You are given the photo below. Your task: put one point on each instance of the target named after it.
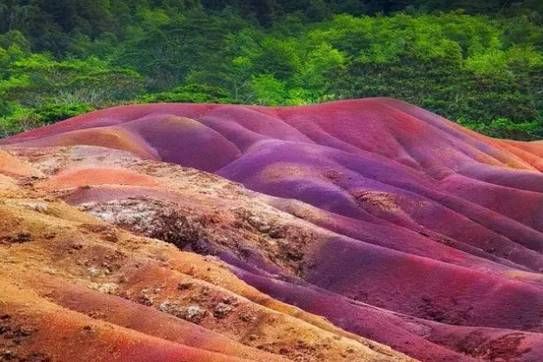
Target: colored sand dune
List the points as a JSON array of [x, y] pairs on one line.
[[394, 224]]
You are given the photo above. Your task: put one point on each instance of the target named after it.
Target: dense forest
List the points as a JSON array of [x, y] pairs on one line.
[[476, 62]]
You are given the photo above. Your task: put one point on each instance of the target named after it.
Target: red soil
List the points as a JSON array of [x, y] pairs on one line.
[[97, 176], [392, 222]]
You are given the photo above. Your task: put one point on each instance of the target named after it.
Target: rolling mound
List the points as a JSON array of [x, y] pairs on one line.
[[75, 288], [391, 222]]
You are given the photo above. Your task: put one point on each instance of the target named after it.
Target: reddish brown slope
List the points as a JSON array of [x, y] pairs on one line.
[[392, 222], [74, 288]]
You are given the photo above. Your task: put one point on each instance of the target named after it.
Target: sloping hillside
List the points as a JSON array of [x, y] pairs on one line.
[[75, 288], [393, 223]]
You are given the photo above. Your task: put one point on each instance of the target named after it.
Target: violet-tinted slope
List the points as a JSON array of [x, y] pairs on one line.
[[424, 235]]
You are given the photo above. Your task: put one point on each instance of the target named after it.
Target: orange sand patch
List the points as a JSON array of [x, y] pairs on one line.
[[34, 318], [531, 153], [535, 147], [110, 137], [14, 166], [98, 176]]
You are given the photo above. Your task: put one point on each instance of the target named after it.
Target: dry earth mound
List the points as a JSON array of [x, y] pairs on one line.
[[75, 288], [393, 223]]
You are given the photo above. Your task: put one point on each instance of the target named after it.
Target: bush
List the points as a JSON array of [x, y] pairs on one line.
[[505, 128], [466, 64], [191, 93], [20, 119], [54, 112]]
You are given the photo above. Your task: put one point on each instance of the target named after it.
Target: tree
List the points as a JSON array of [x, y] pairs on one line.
[[268, 90]]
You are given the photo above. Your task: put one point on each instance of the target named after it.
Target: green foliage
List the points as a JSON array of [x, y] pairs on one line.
[[268, 90], [16, 118], [480, 63], [504, 128], [21, 119], [191, 93], [53, 112]]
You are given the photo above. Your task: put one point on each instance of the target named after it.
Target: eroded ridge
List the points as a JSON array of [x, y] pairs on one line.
[[396, 225]]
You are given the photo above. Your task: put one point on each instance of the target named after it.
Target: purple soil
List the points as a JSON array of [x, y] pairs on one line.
[[436, 232]]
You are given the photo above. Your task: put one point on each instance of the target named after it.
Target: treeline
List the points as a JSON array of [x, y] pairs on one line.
[[479, 64]]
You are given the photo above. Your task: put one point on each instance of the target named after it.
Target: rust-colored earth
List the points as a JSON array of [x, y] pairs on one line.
[[365, 230]]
